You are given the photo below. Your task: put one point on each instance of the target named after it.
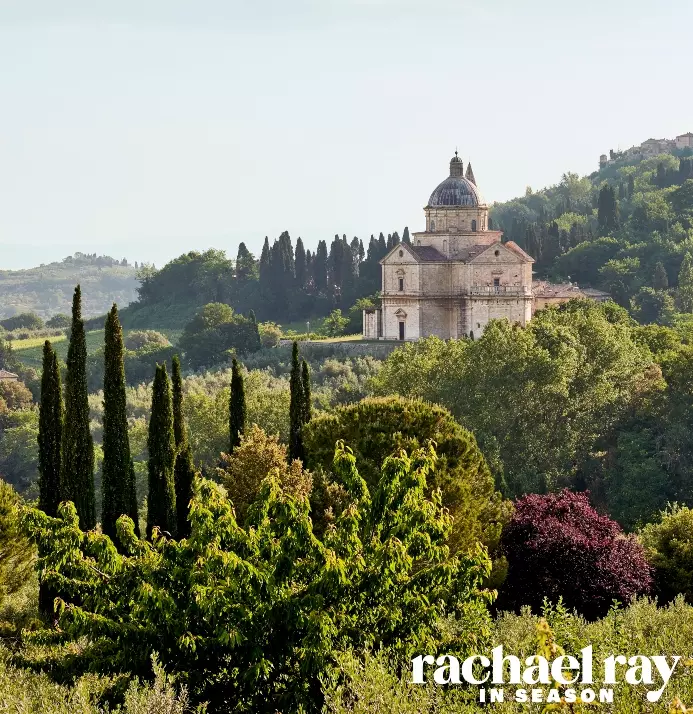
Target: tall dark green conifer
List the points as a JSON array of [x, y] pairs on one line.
[[50, 432], [307, 405], [184, 469], [49, 440], [301, 265], [77, 461], [161, 500], [184, 478], [320, 267], [406, 238], [237, 408], [296, 407], [177, 396], [246, 265], [118, 483]]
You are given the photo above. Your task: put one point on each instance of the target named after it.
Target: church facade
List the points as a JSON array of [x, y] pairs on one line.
[[456, 275]]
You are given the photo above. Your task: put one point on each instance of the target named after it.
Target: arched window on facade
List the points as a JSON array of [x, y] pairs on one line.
[[401, 284], [433, 225], [445, 247], [473, 225]]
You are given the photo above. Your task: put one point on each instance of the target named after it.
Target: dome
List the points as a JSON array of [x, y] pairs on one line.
[[456, 191]]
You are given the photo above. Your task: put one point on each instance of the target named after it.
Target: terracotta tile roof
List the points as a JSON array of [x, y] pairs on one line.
[[466, 255], [511, 245], [4, 374], [428, 254]]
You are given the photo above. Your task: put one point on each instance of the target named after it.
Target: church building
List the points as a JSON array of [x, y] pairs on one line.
[[456, 275]]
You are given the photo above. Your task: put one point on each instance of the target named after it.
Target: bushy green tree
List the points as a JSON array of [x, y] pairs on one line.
[[251, 618], [237, 407], [118, 475], [335, 323], [378, 428], [161, 499], [77, 463]]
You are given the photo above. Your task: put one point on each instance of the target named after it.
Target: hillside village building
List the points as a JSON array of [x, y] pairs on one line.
[[456, 275], [649, 148]]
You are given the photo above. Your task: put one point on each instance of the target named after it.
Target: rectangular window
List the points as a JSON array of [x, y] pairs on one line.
[[401, 330], [401, 284], [496, 282]]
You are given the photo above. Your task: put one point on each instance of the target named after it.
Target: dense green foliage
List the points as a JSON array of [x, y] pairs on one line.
[[26, 320], [161, 445], [77, 463], [669, 546], [251, 618], [626, 229], [119, 496], [50, 432], [378, 428], [542, 401], [17, 555], [282, 285]]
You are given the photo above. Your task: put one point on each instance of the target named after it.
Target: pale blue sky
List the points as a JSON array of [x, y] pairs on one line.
[[146, 128]]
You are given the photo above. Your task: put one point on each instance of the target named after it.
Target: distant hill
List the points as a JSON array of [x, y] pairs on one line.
[[626, 229], [47, 289]]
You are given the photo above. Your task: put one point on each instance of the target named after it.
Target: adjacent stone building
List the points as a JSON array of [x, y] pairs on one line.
[[456, 275]]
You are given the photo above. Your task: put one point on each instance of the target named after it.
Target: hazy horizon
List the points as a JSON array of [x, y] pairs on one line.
[[144, 130]]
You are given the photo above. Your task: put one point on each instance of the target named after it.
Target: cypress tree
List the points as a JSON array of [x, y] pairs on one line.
[[237, 408], [49, 439], [77, 461], [382, 246], [607, 210], [406, 238], [320, 267], [118, 485], [50, 432], [246, 265], [296, 407], [184, 469], [264, 267], [184, 475], [179, 434], [307, 401], [161, 443], [301, 265]]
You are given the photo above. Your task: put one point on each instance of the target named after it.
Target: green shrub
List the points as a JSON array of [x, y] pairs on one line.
[[669, 548], [137, 340]]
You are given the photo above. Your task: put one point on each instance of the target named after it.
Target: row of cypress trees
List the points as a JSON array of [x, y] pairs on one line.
[[66, 447]]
